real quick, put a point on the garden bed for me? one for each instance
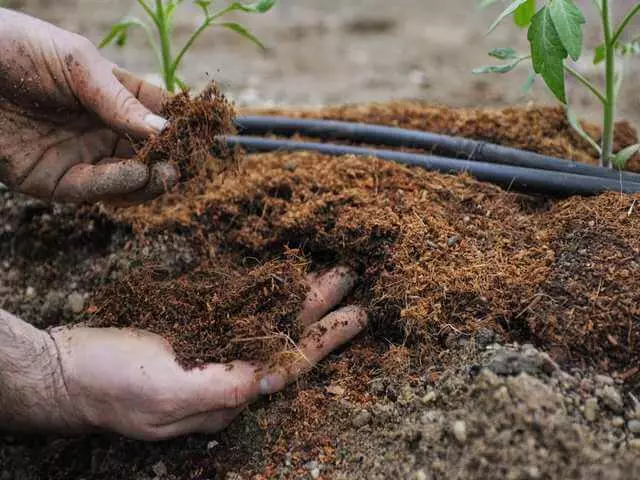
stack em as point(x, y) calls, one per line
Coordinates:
point(447, 265)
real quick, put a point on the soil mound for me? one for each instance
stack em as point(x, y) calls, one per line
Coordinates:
point(446, 264)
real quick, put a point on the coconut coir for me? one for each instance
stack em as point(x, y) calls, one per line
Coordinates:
point(192, 140)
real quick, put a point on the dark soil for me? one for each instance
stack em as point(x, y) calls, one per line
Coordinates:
point(446, 264)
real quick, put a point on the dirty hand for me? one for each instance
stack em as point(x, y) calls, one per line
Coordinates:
point(66, 116)
point(129, 382)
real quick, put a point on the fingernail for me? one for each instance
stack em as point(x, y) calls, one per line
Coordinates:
point(156, 122)
point(269, 384)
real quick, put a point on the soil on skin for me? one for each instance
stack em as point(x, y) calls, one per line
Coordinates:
point(448, 266)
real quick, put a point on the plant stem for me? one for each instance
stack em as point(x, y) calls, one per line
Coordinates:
point(610, 87)
point(582, 79)
point(187, 46)
point(164, 31)
point(625, 21)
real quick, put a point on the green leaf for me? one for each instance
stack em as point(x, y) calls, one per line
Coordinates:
point(599, 54)
point(524, 13)
point(261, 6)
point(568, 20)
point(507, 11)
point(548, 53)
point(498, 68)
point(236, 27)
point(503, 53)
point(621, 158)
point(486, 3)
point(577, 127)
point(631, 48)
point(118, 32)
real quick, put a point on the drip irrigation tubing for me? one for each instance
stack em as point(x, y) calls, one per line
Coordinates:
point(433, 143)
point(527, 180)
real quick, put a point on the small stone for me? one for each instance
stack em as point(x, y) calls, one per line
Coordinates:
point(533, 472)
point(290, 166)
point(419, 475)
point(603, 379)
point(453, 240)
point(634, 426)
point(212, 444)
point(466, 219)
point(617, 422)
point(315, 473)
point(591, 409)
point(160, 469)
point(361, 419)
point(429, 397)
point(75, 302)
point(612, 399)
point(634, 443)
point(459, 429)
point(30, 292)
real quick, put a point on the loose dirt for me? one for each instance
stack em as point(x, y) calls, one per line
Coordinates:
point(448, 268)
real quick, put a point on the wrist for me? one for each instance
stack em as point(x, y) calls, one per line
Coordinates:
point(33, 393)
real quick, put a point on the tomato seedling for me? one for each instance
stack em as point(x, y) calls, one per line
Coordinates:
point(556, 40)
point(159, 31)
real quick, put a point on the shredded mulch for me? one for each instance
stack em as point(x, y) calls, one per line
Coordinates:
point(194, 130)
point(441, 259)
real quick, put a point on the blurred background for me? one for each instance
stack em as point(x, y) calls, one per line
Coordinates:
point(348, 51)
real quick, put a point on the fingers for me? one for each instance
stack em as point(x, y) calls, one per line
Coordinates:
point(109, 181)
point(209, 422)
point(326, 291)
point(149, 95)
point(97, 87)
point(318, 341)
point(162, 178)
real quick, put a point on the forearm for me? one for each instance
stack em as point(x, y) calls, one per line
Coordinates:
point(32, 391)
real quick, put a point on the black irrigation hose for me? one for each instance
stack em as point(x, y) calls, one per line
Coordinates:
point(434, 143)
point(522, 179)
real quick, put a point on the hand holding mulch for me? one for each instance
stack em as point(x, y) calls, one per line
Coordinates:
point(130, 381)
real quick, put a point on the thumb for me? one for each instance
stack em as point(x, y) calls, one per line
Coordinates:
point(101, 92)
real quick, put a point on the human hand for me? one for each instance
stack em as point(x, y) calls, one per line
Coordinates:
point(129, 382)
point(66, 116)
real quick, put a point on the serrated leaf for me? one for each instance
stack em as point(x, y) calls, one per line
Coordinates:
point(621, 158)
point(548, 53)
point(240, 29)
point(118, 32)
point(577, 127)
point(506, 12)
point(568, 20)
point(524, 13)
point(503, 53)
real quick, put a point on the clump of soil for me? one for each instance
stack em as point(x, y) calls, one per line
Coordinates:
point(216, 313)
point(195, 126)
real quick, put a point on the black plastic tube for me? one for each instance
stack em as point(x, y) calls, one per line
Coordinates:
point(521, 179)
point(433, 143)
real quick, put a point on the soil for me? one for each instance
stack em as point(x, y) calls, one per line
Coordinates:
point(443, 384)
point(196, 123)
point(455, 275)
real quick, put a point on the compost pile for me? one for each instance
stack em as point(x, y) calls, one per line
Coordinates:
point(440, 259)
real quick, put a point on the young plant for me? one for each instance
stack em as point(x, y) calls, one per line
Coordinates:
point(556, 40)
point(159, 31)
